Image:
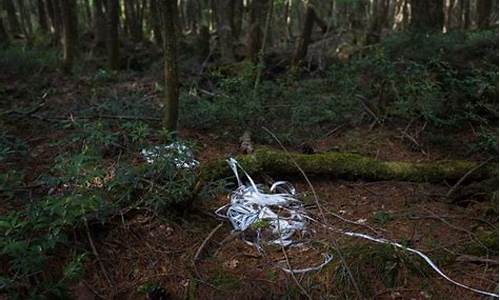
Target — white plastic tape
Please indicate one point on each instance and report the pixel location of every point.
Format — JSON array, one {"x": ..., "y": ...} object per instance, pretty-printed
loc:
[{"x": 284, "y": 216}]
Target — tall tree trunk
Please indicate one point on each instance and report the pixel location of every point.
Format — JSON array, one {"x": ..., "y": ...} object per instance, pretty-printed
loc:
[
  {"x": 88, "y": 14},
  {"x": 449, "y": 14},
  {"x": 379, "y": 21},
  {"x": 54, "y": 12},
  {"x": 171, "y": 114},
  {"x": 112, "y": 41},
  {"x": 288, "y": 20},
  {"x": 14, "y": 26},
  {"x": 406, "y": 14},
  {"x": 254, "y": 36},
  {"x": 42, "y": 16},
  {"x": 465, "y": 14},
  {"x": 25, "y": 19},
  {"x": 4, "y": 37},
  {"x": 134, "y": 22},
  {"x": 224, "y": 19},
  {"x": 155, "y": 22},
  {"x": 98, "y": 23},
  {"x": 192, "y": 13},
  {"x": 237, "y": 19},
  {"x": 484, "y": 8},
  {"x": 305, "y": 36},
  {"x": 69, "y": 20},
  {"x": 427, "y": 15},
  {"x": 203, "y": 44}
]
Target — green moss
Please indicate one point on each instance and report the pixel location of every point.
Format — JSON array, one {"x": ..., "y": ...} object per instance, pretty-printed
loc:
[{"x": 347, "y": 166}]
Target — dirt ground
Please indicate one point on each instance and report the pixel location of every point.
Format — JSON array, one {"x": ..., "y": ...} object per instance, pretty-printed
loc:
[{"x": 139, "y": 249}]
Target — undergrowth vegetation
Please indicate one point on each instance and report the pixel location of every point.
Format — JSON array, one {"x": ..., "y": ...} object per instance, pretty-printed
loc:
[
  {"x": 447, "y": 80},
  {"x": 101, "y": 176}
]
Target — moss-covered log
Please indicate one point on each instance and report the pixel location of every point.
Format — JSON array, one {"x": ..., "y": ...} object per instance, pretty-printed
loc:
[{"x": 347, "y": 166}]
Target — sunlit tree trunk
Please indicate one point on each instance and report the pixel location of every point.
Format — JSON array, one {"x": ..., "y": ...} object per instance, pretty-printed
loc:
[
  {"x": 427, "y": 15},
  {"x": 171, "y": 113},
  {"x": 42, "y": 16},
  {"x": 449, "y": 14},
  {"x": 465, "y": 14},
  {"x": 14, "y": 26},
  {"x": 112, "y": 41},
  {"x": 484, "y": 8},
  {"x": 69, "y": 19},
  {"x": 288, "y": 20}
]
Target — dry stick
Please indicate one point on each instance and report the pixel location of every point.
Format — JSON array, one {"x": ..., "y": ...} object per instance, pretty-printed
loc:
[
  {"x": 96, "y": 254},
  {"x": 93, "y": 290},
  {"x": 105, "y": 117},
  {"x": 353, "y": 222},
  {"x": 304, "y": 291},
  {"x": 465, "y": 176},
  {"x": 471, "y": 234},
  {"x": 316, "y": 199},
  {"x": 198, "y": 253},
  {"x": 205, "y": 242}
]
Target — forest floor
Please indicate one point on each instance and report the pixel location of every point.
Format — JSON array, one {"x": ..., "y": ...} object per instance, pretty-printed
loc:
[{"x": 138, "y": 248}]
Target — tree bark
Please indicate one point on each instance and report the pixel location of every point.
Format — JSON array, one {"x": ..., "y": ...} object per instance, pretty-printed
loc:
[
  {"x": 305, "y": 36},
  {"x": 69, "y": 20},
  {"x": 52, "y": 8},
  {"x": 203, "y": 44},
  {"x": 155, "y": 22},
  {"x": 258, "y": 12},
  {"x": 14, "y": 26},
  {"x": 112, "y": 41},
  {"x": 42, "y": 16},
  {"x": 465, "y": 14},
  {"x": 224, "y": 20},
  {"x": 484, "y": 8},
  {"x": 237, "y": 19},
  {"x": 379, "y": 21},
  {"x": 427, "y": 15},
  {"x": 4, "y": 37},
  {"x": 98, "y": 23},
  {"x": 27, "y": 25},
  {"x": 171, "y": 113},
  {"x": 347, "y": 166},
  {"x": 133, "y": 20},
  {"x": 449, "y": 15},
  {"x": 192, "y": 13}
]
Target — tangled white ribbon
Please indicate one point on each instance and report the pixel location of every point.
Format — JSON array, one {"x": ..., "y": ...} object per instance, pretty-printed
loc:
[{"x": 250, "y": 205}]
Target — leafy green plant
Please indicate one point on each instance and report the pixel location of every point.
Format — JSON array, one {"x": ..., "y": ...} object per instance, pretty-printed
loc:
[
  {"x": 382, "y": 217},
  {"x": 26, "y": 60}
]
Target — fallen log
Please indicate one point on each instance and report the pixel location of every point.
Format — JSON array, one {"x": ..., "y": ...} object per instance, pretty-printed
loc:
[{"x": 348, "y": 166}]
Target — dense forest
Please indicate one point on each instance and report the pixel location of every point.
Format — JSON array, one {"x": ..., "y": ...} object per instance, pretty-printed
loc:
[{"x": 145, "y": 144}]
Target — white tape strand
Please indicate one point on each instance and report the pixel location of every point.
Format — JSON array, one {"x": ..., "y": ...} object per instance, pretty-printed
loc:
[
  {"x": 285, "y": 216},
  {"x": 422, "y": 255}
]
